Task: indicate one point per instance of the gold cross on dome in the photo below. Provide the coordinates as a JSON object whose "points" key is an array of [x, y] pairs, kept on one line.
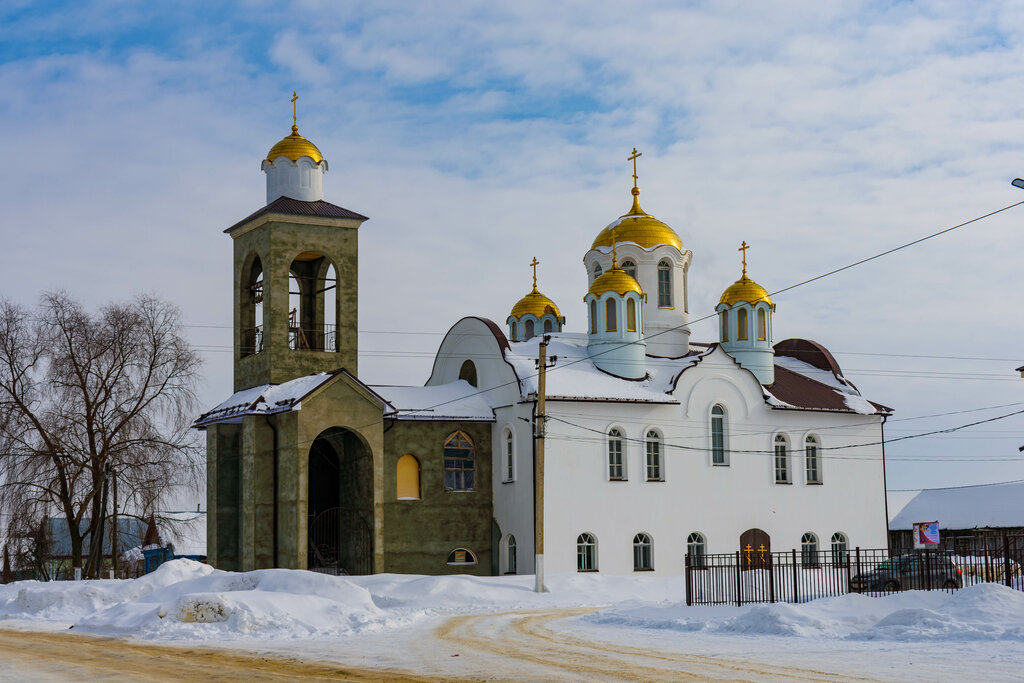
{"points": [[744, 250], [295, 110], [534, 263], [633, 159]]}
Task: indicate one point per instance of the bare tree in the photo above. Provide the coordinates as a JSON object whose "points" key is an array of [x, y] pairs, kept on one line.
{"points": [[80, 392]]}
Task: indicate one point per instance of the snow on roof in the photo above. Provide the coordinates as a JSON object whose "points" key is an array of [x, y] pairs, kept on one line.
{"points": [[795, 392], [458, 400], [264, 399], [965, 507], [574, 375]]}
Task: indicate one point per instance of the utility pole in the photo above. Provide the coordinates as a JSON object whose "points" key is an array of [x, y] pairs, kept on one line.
{"points": [[538, 463], [114, 531]]}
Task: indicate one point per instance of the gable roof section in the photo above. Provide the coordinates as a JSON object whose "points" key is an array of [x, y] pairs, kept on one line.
{"points": [[270, 399], [965, 507], [795, 391], [297, 207]]}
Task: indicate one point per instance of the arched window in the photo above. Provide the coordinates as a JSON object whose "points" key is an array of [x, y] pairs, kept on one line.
{"points": [[741, 324], [812, 459], [548, 327], [616, 470], [508, 448], [586, 553], [312, 303], [725, 326], [593, 316], [630, 267], [630, 315], [252, 311], [718, 435], [809, 550], [458, 463], [695, 546], [461, 557], [643, 560], [781, 459], [762, 325], [408, 471], [468, 372], [664, 285], [610, 315], [510, 555], [840, 549], [529, 331], [597, 271], [653, 448], [514, 329]]}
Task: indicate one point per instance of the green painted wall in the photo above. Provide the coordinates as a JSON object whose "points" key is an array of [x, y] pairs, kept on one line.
{"points": [[418, 535]]}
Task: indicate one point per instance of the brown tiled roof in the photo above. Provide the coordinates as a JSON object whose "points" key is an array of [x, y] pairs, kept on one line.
{"points": [[297, 207], [805, 393]]}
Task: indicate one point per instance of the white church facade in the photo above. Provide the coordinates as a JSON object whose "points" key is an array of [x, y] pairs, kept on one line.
{"points": [[656, 446]]}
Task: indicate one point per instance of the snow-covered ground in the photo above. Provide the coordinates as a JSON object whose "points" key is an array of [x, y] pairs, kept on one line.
{"points": [[299, 612]]}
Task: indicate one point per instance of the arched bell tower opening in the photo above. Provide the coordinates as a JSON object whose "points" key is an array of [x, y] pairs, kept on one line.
{"points": [[312, 303], [251, 312], [340, 504]]}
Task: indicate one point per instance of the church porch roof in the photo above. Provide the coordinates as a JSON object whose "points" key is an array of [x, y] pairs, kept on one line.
{"points": [[458, 400], [297, 207]]}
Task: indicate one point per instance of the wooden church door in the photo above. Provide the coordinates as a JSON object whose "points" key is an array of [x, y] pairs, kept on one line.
{"points": [[755, 549]]}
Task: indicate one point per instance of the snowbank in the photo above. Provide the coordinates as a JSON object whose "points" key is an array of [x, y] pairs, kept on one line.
{"points": [[981, 612], [185, 600]]}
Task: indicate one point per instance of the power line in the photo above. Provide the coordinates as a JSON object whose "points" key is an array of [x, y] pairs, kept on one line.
{"points": [[964, 486]]}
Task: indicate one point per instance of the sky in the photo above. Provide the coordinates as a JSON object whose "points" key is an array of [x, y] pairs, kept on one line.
{"points": [[477, 135]]}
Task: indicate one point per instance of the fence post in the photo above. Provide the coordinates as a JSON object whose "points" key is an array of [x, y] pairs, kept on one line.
{"points": [[858, 561], [926, 559], [988, 563], [686, 575], [796, 591], [845, 555], [771, 578], [739, 587], [1006, 560]]}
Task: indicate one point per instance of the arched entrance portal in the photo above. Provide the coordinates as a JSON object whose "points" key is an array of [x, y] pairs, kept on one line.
{"points": [[755, 549], [340, 504]]}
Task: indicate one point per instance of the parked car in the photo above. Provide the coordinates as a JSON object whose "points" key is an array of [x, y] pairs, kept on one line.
{"points": [[916, 570]]}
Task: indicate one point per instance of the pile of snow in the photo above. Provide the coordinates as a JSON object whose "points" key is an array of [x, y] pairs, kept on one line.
{"points": [[982, 612], [186, 600]]}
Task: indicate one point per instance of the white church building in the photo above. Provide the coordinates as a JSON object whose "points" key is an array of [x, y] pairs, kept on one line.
{"points": [[656, 446]]}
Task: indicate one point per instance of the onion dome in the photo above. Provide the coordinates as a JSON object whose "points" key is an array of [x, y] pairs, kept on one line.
{"points": [[535, 303], [295, 147], [640, 227], [615, 280], [745, 289]]}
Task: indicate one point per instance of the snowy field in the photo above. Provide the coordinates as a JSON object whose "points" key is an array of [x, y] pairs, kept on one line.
{"points": [[976, 633]]}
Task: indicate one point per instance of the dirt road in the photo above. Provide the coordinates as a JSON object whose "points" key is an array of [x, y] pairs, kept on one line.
{"points": [[519, 646]]}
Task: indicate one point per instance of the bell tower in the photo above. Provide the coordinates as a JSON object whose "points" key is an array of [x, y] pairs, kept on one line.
{"points": [[296, 274]]}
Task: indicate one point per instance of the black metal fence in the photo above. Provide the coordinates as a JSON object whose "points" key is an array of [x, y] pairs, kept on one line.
{"points": [[757, 575]]}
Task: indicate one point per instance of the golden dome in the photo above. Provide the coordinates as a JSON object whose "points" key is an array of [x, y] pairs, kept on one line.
{"points": [[294, 147], [536, 304], [639, 227], [615, 280], [746, 290]]}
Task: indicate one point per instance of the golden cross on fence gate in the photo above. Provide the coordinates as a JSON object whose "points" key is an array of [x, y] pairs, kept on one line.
{"points": [[633, 159], [762, 550], [748, 550]]}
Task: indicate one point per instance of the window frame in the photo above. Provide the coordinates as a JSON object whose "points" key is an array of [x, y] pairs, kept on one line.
{"points": [[453, 561], [508, 450], [611, 315], [812, 455], [840, 546], [654, 438], [723, 331], [629, 265], [630, 315], [665, 284], [415, 462], [643, 552], [809, 549], [762, 324], [511, 556], [742, 324], [593, 316], [529, 329], [586, 552], [721, 419], [696, 549], [780, 462], [460, 473], [616, 446]]}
